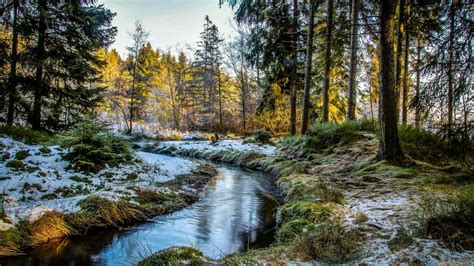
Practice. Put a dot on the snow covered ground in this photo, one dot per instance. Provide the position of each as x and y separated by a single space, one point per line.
41 181
223 145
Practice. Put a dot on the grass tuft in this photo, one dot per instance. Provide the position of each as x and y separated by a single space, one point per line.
50 226
311 211
176 256
448 217
330 243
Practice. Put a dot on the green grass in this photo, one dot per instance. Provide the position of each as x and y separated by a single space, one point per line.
292 229
331 243
27 135
176 256
16 165
448 217
311 211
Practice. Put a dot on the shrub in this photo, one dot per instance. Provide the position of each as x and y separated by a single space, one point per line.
294 228
22 154
311 211
331 243
262 136
450 142
26 134
91 148
16 164
449 218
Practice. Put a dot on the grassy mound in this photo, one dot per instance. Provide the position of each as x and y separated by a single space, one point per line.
176 256
50 226
98 212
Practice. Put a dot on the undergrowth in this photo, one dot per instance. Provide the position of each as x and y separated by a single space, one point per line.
91 148
448 217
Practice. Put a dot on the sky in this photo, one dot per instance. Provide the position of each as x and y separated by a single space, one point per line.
170 23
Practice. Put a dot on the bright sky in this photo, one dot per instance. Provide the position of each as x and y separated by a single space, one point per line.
170 23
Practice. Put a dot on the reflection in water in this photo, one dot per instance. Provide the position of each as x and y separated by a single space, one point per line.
234 215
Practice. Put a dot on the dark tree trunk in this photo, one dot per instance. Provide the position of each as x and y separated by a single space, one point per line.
418 62
13 79
40 57
389 145
294 69
405 69
398 65
307 77
219 85
327 64
352 103
452 11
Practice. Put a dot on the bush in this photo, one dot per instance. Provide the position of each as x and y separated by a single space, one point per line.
331 243
262 136
449 143
26 134
91 148
449 218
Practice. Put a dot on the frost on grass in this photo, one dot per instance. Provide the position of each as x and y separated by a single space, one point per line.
45 182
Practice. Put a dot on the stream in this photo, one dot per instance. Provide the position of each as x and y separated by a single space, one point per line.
233 215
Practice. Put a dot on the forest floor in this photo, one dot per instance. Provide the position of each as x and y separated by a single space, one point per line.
342 205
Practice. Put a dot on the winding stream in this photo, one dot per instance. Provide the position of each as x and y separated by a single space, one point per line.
233 215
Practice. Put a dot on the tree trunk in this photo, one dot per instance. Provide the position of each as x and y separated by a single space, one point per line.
418 62
40 57
13 79
307 78
327 66
452 11
244 91
398 66
132 96
352 103
405 69
221 124
294 69
389 145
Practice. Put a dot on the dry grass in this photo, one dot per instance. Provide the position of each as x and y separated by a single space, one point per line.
98 212
50 226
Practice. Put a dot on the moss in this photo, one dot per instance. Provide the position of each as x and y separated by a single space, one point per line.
22 154
16 165
176 256
331 243
294 228
311 211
